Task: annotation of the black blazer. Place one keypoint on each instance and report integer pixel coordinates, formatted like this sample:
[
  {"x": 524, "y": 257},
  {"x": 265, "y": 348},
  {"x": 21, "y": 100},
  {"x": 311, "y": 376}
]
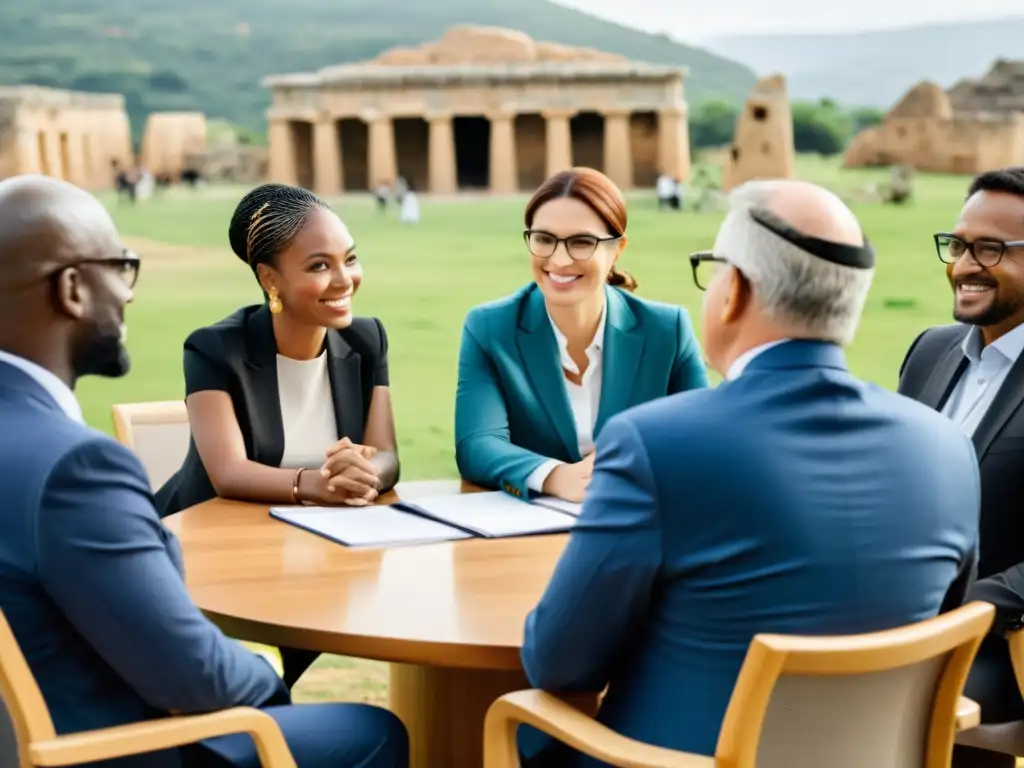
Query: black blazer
[
  {"x": 238, "y": 355},
  {"x": 933, "y": 365}
]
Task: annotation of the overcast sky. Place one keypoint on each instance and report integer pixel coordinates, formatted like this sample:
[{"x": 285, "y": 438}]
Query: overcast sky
[{"x": 698, "y": 20}]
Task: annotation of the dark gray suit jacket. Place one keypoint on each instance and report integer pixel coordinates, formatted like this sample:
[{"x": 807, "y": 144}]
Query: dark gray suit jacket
[
  {"x": 931, "y": 369},
  {"x": 92, "y": 585}
]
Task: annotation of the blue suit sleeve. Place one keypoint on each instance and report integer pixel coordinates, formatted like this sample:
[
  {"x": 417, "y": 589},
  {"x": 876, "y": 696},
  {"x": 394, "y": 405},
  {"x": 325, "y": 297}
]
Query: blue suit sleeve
[
  {"x": 688, "y": 369},
  {"x": 600, "y": 591},
  {"x": 104, "y": 559},
  {"x": 484, "y": 452}
]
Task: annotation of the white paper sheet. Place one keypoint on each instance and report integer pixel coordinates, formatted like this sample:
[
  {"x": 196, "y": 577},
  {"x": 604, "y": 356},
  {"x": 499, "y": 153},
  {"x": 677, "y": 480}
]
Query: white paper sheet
[
  {"x": 492, "y": 514},
  {"x": 371, "y": 526}
]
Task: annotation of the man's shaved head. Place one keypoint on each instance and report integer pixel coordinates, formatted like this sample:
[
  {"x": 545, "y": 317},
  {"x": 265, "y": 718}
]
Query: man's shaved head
[
  {"x": 46, "y": 224},
  {"x": 65, "y": 279}
]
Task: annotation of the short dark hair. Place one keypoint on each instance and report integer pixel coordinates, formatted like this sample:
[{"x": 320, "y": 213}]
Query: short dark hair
[
  {"x": 1009, "y": 180},
  {"x": 267, "y": 219}
]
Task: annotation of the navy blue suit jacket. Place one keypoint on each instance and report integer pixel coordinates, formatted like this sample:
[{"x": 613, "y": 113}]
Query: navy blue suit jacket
[
  {"x": 92, "y": 585},
  {"x": 794, "y": 499}
]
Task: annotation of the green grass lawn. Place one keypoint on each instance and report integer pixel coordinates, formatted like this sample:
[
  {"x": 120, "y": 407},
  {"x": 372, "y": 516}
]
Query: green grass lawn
[{"x": 421, "y": 280}]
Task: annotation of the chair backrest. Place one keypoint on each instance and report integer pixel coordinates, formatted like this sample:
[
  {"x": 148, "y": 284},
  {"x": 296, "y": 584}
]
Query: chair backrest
[
  {"x": 886, "y": 699},
  {"x": 24, "y": 716},
  {"x": 158, "y": 433}
]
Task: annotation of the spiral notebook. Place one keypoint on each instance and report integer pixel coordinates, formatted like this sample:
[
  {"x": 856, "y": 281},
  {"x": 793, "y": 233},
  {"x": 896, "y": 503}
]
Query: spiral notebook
[{"x": 490, "y": 515}]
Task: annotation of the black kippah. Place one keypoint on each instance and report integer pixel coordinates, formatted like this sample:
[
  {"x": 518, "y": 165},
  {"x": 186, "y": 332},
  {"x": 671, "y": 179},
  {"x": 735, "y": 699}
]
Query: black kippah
[{"x": 855, "y": 256}]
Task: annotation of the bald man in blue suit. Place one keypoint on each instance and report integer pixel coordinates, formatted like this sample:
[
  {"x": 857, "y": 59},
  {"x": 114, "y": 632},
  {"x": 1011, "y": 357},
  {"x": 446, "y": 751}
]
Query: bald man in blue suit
[
  {"x": 793, "y": 498},
  {"x": 90, "y": 580}
]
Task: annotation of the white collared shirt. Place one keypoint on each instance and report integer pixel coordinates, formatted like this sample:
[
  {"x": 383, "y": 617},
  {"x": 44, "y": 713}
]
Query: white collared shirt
[
  {"x": 741, "y": 362},
  {"x": 584, "y": 398},
  {"x": 56, "y": 388},
  {"x": 986, "y": 371}
]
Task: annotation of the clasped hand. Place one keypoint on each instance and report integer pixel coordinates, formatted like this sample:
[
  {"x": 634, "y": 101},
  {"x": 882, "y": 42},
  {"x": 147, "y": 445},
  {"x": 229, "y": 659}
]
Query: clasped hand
[{"x": 348, "y": 473}]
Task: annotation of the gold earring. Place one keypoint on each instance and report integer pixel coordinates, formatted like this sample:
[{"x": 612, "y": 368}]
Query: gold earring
[{"x": 275, "y": 302}]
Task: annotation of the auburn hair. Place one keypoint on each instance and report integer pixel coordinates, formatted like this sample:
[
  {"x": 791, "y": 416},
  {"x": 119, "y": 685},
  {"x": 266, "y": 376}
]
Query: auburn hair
[{"x": 597, "y": 192}]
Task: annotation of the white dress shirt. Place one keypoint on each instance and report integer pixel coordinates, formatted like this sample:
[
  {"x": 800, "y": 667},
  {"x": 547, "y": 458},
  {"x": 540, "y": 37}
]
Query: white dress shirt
[
  {"x": 56, "y": 388},
  {"x": 741, "y": 362},
  {"x": 307, "y": 411},
  {"x": 986, "y": 370},
  {"x": 584, "y": 398}
]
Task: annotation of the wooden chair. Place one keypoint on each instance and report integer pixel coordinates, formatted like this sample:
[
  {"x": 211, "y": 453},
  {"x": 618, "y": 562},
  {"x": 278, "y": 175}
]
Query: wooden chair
[
  {"x": 36, "y": 743},
  {"x": 886, "y": 700},
  {"x": 1007, "y": 738},
  {"x": 158, "y": 433}
]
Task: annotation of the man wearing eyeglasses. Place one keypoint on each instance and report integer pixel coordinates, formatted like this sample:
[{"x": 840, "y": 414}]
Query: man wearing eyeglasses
[
  {"x": 973, "y": 372},
  {"x": 91, "y": 583}
]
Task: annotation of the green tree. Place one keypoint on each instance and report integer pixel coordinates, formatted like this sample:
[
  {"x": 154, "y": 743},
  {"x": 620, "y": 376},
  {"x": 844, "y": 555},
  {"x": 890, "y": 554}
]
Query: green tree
[
  {"x": 865, "y": 117},
  {"x": 712, "y": 123},
  {"x": 820, "y": 127}
]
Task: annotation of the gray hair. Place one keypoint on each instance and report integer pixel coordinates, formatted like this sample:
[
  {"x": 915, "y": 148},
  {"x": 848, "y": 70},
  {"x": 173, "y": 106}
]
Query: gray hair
[{"x": 818, "y": 298}]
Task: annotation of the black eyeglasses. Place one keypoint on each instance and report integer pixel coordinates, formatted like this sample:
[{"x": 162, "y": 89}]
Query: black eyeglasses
[
  {"x": 127, "y": 266},
  {"x": 987, "y": 253},
  {"x": 703, "y": 265},
  {"x": 579, "y": 247}
]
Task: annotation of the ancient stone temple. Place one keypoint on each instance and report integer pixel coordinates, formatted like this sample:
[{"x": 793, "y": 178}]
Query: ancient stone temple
[
  {"x": 481, "y": 108},
  {"x": 71, "y": 135}
]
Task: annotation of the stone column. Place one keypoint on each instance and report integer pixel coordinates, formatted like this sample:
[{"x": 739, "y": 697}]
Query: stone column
[
  {"x": 383, "y": 161},
  {"x": 54, "y": 158},
  {"x": 27, "y": 158},
  {"x": 559, "y": 140},
  {"x": 441, "y": 155},
  {"x": 281, "y": 152},
  {"x": 674, "y": 143},
  {"x": 618, "y": 149},
  {"x": 504, "y": 171},
  {"x": 76, "y": 171},
  {"x": 326, "y": 156}
]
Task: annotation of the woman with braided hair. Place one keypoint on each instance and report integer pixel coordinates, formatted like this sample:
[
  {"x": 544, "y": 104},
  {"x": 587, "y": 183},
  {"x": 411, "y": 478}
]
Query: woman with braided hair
[{"x": 288, "y": 400}]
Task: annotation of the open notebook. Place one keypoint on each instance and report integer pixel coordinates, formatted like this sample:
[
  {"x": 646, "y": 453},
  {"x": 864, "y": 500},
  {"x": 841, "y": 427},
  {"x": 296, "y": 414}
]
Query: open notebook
[{"x": 491, "y": 515}]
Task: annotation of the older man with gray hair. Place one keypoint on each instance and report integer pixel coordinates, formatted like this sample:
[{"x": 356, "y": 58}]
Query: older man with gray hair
[{"x": 793, "y": 498}]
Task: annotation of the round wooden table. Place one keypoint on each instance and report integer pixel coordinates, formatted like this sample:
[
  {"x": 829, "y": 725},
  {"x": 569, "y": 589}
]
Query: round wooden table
[{"x": 448, "y": 616}]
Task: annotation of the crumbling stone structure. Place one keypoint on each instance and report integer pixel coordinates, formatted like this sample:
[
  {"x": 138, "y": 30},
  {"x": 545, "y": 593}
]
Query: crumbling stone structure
[
  {"x": 168, "y": 138},
  {"x": 66, "y": 134},
  {"x": 762, "y": 146},
  {"x": 924, "y": 131}
]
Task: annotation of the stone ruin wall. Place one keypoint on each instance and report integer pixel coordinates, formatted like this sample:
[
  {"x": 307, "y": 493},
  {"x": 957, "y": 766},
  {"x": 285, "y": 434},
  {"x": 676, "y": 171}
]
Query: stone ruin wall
[
  {"x": 925, "y": 131},
  {"x": 169, "y": 138},
  {"x": 66, "y": 134}
]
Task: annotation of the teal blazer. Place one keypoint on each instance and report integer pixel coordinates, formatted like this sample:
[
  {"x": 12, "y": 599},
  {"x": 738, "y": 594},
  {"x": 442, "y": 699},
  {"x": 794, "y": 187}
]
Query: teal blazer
[{"x": 512, "y": 409}]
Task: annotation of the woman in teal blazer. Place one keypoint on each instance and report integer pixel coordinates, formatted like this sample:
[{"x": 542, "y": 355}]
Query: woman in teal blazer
[{"x": 541, "y": 371}]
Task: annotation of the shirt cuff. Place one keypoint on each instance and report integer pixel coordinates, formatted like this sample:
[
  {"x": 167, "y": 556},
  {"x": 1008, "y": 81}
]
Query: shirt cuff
[{"x": 535, "y": 482}]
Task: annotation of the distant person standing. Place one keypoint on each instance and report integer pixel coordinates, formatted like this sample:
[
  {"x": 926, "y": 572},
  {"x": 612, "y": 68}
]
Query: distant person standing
[
  {"x": 124, "y": 181},
  {"x": 410, "y": 211},
  {"x": 381, "y": 193},
  {"x": 666, "y": 190}
]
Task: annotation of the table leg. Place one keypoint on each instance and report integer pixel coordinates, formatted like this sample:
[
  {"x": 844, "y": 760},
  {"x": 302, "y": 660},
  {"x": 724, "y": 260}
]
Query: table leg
[{"x": 444, "y": 708}]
